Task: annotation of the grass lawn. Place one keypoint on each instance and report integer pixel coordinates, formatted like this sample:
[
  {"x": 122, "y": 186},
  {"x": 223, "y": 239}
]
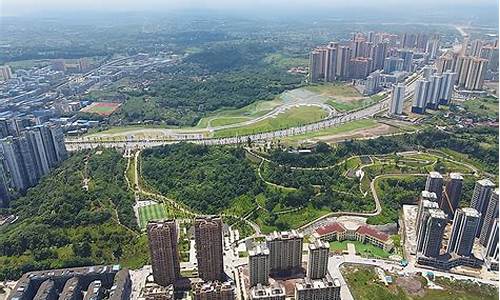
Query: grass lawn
[
  {"x": 350, "y": 105},
  {"x": 253, "y": 110},
  {"x": 351, "y": 126},
  {"x": 291, "y": 117},
  {"x": 227, "y": 121},
  {"x": 365, "y": 250},
  {"x": 151, "y": 212},
  {"x": 334, "y": 89}
]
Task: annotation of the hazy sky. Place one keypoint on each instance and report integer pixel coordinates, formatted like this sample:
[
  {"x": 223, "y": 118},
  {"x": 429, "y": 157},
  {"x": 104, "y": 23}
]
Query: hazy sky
[{"x": 21, "y": 7}]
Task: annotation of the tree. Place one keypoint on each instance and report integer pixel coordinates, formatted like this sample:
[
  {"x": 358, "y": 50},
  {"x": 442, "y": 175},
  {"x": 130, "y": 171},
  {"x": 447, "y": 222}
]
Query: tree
[{"x": 82, "y": 249}]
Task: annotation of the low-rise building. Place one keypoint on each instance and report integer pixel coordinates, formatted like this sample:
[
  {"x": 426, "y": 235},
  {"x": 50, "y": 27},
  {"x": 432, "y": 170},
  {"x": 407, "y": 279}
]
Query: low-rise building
[{"x": 365, "y": 234}]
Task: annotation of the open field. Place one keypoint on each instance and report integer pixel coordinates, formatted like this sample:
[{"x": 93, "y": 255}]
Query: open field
[
  {"x": 365, "y": 250},
  {"x": 364, "y": 128},
  {"x": 251, "y": 111},
  {"x": 334, "y": 90},
  {"x": 151, "y": 212},
  {"x": 365, "y": 285},
  {"x": 101, "y": 108},
  {"x": 289, "y": 118}
]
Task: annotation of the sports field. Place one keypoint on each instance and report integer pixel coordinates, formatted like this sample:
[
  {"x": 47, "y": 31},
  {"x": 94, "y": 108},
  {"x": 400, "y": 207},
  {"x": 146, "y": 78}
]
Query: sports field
[
  {"x": 101, "y": 108},
  {"x": 151, "y": 212}
]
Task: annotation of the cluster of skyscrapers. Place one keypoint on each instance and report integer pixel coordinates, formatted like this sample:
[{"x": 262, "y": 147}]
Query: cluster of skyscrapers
[
  {"x": 440, "y": 205},
  {"x": 281, "y": 255},
  {"x": 163, "y": 236},
  {"x": 434, "y": 89},
  {"x": 471, "y": 63},
  {"x": 374, "y": 58},
  {"x": 26, "y": 156}
]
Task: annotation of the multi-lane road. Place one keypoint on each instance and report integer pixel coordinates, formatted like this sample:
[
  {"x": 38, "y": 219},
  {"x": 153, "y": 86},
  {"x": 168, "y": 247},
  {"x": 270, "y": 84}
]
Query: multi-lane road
[{"x": 73, "y": 144}]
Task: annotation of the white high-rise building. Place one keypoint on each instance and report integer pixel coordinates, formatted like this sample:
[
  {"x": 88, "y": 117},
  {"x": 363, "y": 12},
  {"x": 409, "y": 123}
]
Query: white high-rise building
[
  {"x": 434, "y": 91},
  {"x": 397, "y": 101},
  {"x": 420, "y": 96},
  {"x": 5, "y": 73},
  {"x": 285, "y": 251},
  {"x": 318, "y": 259},
  {"x": 480, "y": 198},
  {"x": 447, "y": 89},
  {"x": 258, "y": 264}
]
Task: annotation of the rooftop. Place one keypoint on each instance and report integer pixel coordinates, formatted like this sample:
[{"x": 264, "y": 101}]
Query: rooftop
[
  {"x": 428, "y": 195},
  {"x": 367, "y": 230},
  {"x": 330, "y": 228}
]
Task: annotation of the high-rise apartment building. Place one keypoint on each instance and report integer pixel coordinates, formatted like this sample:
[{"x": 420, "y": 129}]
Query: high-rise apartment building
[
  {"x": 480, "y": 197},
  {"x": 489, "y": 217},
  {"x": 359, "y": 67},
  {"x": 258, "y": 265},
  {"x": 343, "y": 59},
  {"x": 5, "y": 73},
  {"x": 162, "y": 238},
  {"x": 491, "y": 250},
  {"x": 433, "y": 232},
  {"x": 452, "y": 194},
  {"x": 471, "y": 72},
  {"x": 434, "y": 184},
  {"x": 208, "y": 238},
  {"x": 285, "y": 251},
  {"x": 397, "y": 100},
  {"x": 463, "y": 233},
  {"x": 407, "y": 57},
  {"x": 379, "y": 52},
  {"x": 393, "y": 64},
  {"x": 372, "y": 83},
  {"x": 420, "y": 96},
  {"x": 426, "y": 203},
  {"x": 446, "y": 90},
  {"x": 317, "y": 266}
]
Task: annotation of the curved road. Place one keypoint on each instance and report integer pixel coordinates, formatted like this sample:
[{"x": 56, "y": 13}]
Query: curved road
[{"x": 366, "y": 112}]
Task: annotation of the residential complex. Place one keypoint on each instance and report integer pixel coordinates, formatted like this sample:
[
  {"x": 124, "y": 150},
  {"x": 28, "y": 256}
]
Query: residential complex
[
  {"x": 26, "y": 156},
  {"x": 73, "y": 283}
]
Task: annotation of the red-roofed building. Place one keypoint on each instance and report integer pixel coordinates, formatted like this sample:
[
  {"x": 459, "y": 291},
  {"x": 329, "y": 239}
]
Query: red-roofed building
[
  {"x": 365, "y": 234},
  {"x": 331, "y": 232}
]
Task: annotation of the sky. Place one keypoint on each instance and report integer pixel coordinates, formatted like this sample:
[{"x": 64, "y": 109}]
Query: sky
[{"x": 24, "y": 7}]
